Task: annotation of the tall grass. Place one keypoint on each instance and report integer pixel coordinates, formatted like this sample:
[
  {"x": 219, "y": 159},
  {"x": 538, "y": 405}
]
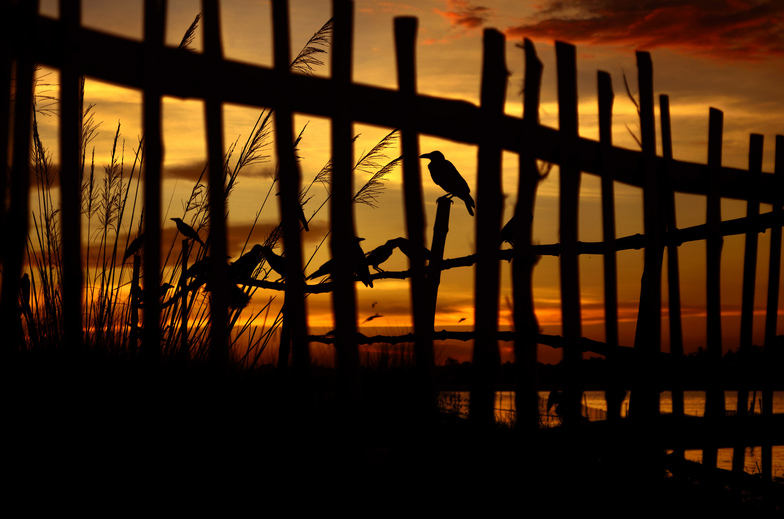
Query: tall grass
[{"x": 112, "y": 213}]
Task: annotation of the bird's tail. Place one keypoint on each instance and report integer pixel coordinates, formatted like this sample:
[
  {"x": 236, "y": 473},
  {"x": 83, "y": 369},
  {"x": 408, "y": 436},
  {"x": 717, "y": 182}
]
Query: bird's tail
[{"x": 469, "y": 202}]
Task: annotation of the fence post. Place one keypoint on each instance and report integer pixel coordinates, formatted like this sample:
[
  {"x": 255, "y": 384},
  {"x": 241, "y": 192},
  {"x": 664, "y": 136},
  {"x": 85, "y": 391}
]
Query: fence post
[
  {"x": 673, "y": 273},
  {"x": 341, "y": 213},
  {"x": 295, "y": 320},
  {"x": 219, "y": 300},
  {"x": 14, "y": 236},
  {"x": 70, "y": 185},
  {"x": 526, "y": 325},
  {"x": 647, "y": 339},
  {"x": 615, "y": 391},
  {"x": 749, "y": 281},
  {"x": 714, "y": 397},
  {"x": 405, "y": 40},
  {"x": 486, "y": 357},
  {"x": 154, "y": 24},
  {"x": 772, "y": 305},
  {"x": 569, "y": 198}
]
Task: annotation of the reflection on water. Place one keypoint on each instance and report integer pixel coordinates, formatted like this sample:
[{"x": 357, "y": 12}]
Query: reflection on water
[{"x": 595, "y": 408}]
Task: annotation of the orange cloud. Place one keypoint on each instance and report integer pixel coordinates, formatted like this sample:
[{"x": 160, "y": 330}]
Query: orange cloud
[
  {"x": 724, "y": 29},
  {"x": 463, "y": 13}
]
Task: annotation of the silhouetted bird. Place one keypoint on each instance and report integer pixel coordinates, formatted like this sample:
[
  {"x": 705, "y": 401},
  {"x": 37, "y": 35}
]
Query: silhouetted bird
[
  {"x": 246, "y": 264},
  {"x": 446, "y": 175},
  {"x": 376, "y": 316},
  {"x": 133, "y": 247},
  {"x": 186, "y": 230},
  {"x": 380, "y": 254},
  {"x": 360, "y": 266},
  {"x": 276, "y": 263},
  {"x": 407, "y": 248}
]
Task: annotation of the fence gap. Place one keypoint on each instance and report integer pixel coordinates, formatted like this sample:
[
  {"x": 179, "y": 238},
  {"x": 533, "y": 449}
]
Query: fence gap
[
  {"x": 405, "y": 47},
  {"x": 714, "y": 397},
  {"x": 749, "y": 282},
  {"x": 568, "y": 203},
  {"x": 524, "y": 259},
  {"x": 486, "y": 356},
  {"x": 614, "y": 391}
]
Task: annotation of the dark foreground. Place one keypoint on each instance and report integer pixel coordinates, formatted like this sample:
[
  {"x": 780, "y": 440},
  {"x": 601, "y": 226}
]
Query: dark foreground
[{"x": 116, "y": 436}]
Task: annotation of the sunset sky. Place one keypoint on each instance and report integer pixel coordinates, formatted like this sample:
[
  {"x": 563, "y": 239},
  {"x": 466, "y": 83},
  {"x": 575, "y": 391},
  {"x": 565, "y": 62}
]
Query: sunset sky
[{"x": 727, "y": 54}]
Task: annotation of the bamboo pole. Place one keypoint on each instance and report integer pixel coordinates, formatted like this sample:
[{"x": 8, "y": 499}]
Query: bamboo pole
[
  {"x": 524, "y": 259},
  {"x": 154, "y": 24},
  {"x": 772, "y": 305},
  {"x": 341, "y": 212},
  {"x": 405, "y": 40},
  {"x": 673, "y": 268},
  {"x": 70, "y": 182},
  {"x": 486, "y": 356},
  {"x": 749, "y": 282},
  {"x": 714, "y": 397},
  {"x": 614, "y": 392},
  {"x": 295, "y": 319},
  {"x": 645, "y": 395},
  {"x": 568, "y": 214}
]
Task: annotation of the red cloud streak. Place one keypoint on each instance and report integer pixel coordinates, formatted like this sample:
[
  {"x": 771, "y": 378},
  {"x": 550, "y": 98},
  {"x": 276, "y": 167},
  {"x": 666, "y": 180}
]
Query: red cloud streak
[
  {"x": 724, "y": 29},
  {"x": 463, "y": 13}
]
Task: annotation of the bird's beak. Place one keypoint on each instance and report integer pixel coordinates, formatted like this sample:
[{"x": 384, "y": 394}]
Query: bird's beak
[{"x": 425, "y": 156}]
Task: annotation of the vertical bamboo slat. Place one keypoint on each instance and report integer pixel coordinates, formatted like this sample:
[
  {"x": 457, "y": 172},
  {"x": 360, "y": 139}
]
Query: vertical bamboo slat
[
  {"x": 219, "y": 300},
  {"x": 673, "y": 266},
  {"x": 405, "y": 46},
  {"x": 647, "y": 339},
  {"x": 714, "y": 396},
  {"x": 526, "y": 325},
  {"x": 154, "y": 24},
  {"x": 614, "y": 392},
  {"x": 70, "y": 184},
  {"x": 486, "y": 356},
  {"x": 295, "y": 320},
  {"x": 749, "y": 282},
  {"x": 772, "y": 304},
  {"x": 568, "y": 213},
  {"x": 18, "y": 210},
  {"x": 341, "y": 211}
]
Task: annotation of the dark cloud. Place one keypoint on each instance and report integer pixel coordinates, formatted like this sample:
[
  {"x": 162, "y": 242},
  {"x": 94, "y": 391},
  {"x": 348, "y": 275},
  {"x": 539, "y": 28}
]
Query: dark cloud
[
  {"x": 464, "y": 14},
  {"x": 724, "y": 29}
]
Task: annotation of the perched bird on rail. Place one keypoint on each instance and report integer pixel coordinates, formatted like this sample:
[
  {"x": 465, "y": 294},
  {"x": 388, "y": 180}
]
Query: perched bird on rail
[
  {"x": 360, "y": 266},
  {"x": 382, "y": 253},
  {"x": 445, "y": 174},
  {"x": 186, "y": 230},
  {"x": 276, "y": 263},
  {"x": 246, "y": 264}
]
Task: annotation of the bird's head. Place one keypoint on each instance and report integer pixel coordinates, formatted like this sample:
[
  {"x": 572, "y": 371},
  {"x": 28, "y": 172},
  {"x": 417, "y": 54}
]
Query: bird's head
[
  {"x": 433, "y": 155},
  {"x": 175, "y": 220}
]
